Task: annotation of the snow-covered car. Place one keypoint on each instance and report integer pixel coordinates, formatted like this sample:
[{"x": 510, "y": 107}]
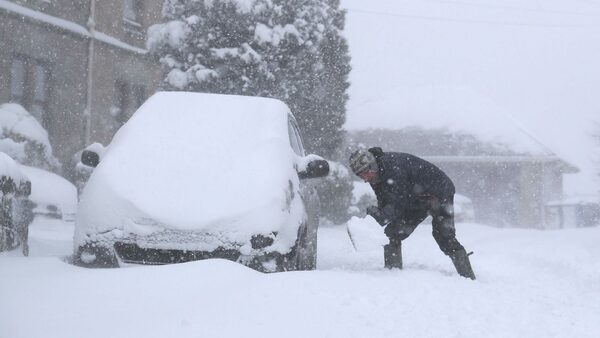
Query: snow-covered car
[
  {"x": 15, "y": 207},
  {"x": 194, "y": 176},
  {"x": 52, "y": 195}
]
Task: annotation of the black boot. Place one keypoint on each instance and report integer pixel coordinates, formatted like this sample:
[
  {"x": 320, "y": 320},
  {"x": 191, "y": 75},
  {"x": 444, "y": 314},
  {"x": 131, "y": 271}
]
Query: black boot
[
  {"x": 461, "y": 262},
  {"x": 392, "y": 254}
]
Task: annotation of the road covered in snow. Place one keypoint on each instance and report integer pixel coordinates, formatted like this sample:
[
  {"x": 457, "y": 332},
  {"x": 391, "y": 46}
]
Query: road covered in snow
[{"x": 530, "y": 284}]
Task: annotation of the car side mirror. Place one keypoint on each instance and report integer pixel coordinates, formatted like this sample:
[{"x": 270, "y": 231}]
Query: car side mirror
[
  {"x": 314, "y": 169},
  {"x": 90, "y": 158}
]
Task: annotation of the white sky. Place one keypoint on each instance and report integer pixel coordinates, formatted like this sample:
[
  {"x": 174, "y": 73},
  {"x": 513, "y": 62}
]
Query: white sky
[{"x": 538, "y": 60}]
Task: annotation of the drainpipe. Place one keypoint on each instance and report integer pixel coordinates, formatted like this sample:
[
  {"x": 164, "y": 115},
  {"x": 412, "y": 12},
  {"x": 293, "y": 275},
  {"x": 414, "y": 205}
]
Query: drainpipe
[{"x": 87, "y": 114}]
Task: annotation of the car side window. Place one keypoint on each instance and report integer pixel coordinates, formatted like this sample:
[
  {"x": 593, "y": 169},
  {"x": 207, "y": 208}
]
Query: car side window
[{"x": 295, "y": 140}]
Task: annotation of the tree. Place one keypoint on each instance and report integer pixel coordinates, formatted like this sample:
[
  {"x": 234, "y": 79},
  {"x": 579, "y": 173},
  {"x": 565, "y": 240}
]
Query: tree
[{"x": 289, "y": 50}]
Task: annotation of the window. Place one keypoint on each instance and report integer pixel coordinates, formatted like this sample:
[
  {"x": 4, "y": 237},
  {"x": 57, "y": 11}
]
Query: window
[
  {"x": 139, "y": 96},
  {"x": 128, "y": 98},
  {"x": 295, "y": 139},
  {"x": 38, "y": 104},
  {"x": 121, "y": 99},
  {"x": 29, "y": 85},
  {"x": 132, "y": 11},
  {"x": 17, "y": 80}
]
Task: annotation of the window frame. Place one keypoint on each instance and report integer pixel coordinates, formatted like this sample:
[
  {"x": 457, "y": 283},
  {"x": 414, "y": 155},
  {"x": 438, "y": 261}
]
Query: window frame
[
  {"x": 295, "y": 136},
  {"x": 127, "y": 99},
  {"x": 133, "y": 12},
  {"x": 33, "y": 97}
]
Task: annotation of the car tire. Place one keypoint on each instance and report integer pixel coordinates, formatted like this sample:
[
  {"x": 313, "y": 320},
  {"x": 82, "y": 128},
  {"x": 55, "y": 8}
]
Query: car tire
[{"x": 306, "y": 249}]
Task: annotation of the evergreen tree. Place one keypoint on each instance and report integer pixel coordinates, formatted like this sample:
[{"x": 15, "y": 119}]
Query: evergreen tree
[{"x": 289, "y": 50}]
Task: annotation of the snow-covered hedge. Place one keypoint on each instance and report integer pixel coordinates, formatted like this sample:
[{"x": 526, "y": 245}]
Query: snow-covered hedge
[
  {"x": 9, "y": 169},
  {"x": 24, "y": 139},
  {"x": 15, "y": 208}
]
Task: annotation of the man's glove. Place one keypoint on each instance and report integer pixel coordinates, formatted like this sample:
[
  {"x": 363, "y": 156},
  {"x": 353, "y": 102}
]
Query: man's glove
[{"x": 378, "y": 215}]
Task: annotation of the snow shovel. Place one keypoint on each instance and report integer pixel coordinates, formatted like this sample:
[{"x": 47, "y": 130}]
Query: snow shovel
[{"x": 365, "y": 234}]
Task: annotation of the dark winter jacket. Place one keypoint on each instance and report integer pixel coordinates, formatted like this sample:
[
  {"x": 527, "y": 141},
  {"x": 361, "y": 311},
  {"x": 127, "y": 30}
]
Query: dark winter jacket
[{"x": 407, "y": 182}]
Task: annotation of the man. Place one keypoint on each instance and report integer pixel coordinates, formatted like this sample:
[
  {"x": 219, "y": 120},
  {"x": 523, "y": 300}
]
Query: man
[{"x": 409, "y": 189}]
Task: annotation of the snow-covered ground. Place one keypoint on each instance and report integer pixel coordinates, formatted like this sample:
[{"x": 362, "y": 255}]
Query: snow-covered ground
[{"x": 530, "y": 284}]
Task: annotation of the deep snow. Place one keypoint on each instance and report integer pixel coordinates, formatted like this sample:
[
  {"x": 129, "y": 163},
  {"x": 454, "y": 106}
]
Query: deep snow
[{"x": 530, "y": 284}]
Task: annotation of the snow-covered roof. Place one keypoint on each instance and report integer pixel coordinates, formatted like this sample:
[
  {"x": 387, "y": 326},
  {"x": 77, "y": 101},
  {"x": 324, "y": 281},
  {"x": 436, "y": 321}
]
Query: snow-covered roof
[{"x": 452, "y": 108}]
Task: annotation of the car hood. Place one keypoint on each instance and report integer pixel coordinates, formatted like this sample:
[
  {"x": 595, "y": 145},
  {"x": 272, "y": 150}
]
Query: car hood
[{"x": 199, "y": 163}]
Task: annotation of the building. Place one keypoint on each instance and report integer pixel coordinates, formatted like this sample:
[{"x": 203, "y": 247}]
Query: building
[
  {"x": 573, "y": 212},
  {"x": 509, "y": 175},
  {"x": 80, "y": 67}
]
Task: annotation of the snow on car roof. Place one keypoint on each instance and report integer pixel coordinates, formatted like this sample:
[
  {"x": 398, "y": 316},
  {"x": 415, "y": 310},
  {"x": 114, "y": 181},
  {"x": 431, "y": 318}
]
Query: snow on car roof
[{"x": 189, "y": 160}]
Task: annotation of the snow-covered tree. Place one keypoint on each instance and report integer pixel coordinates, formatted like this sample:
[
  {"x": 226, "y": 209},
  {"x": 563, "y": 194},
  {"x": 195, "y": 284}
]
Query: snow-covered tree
[
  {"x": 289, "y": 50},
  {"x": 24, "y": 139}
]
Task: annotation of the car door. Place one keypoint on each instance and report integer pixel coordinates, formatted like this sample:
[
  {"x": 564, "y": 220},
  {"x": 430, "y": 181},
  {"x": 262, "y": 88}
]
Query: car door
[{"x": 307, "y": 190}]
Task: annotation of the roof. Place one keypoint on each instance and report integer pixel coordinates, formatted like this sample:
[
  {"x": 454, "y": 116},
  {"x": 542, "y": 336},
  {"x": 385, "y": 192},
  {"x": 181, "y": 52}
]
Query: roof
[
  {"x": 457, "y": 109},
  {"x": 448, "y": 122}
]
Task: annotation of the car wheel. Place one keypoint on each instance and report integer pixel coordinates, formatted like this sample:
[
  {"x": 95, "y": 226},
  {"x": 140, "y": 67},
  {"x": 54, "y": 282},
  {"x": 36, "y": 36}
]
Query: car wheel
[{"x": 306, "y": 249}]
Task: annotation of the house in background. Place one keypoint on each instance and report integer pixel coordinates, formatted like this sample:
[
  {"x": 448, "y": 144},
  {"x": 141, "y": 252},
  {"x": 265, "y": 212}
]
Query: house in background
[
  {"x": 573, "y": 212},
  {"x": 80, "y": 67},
  {"x": 509, "y": 176}
]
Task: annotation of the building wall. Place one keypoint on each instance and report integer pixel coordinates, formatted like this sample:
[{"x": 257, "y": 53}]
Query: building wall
[
  {"x": 507, "y": 194},
  {"x": 120, "y": 65},
  {"x": 531, "y": 196},
  {"x": 65, "y": 55},
  {"x": 493, "y": 188},
  {"x": 72, "y": 10},
  {"x": 113, "y": 69}
]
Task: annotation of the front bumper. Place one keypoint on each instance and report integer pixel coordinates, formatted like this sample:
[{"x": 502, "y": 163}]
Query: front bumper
[
  {"x": 112, "y": 248},
  {"x": 133, "y": 253}
]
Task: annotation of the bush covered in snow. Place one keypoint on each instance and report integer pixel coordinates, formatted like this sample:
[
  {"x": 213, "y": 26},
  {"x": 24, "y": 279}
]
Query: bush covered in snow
[
  {"x": 15, "y": 208},
  {"x": 335, "y": 192},
  {"x": 24, "y": 139}
]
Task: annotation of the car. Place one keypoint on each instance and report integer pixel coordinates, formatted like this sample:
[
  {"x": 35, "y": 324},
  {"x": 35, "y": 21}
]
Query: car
[
  {"x": 15, "y": 206},
  {"x": 194, "y": 176},
  {"x": 52, "y": 195}
]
